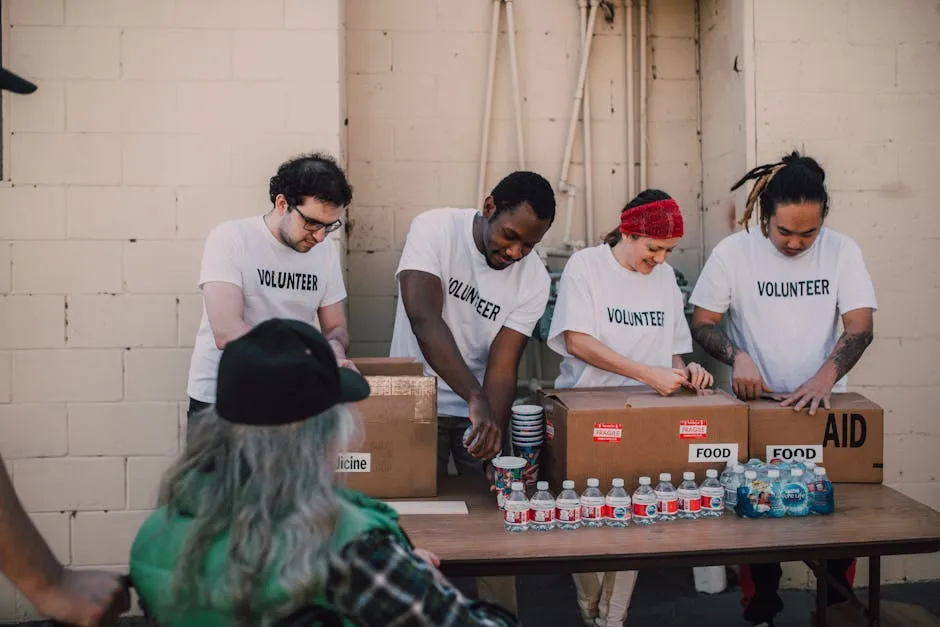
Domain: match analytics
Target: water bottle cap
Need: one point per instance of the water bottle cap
(711, 473)
(567, 484)
(796, 472)
(542, 485)
(688, 476)
(773, 474)
(593, 483)
(517, 486)
(617, 482)
(819, 470)
(739, 467)
(665, 476)
(644, 480)
(750, 474)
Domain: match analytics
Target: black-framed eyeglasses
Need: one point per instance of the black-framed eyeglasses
(315, 225)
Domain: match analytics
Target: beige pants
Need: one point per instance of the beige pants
(500, 591)
(604, 598)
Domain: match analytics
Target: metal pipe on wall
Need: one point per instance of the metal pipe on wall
(588, 152)
(643, 119)
(630, 78)
(488, 103)
(514, 68)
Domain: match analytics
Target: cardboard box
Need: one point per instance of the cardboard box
(630, 432)
(397, 457)
(848, 439)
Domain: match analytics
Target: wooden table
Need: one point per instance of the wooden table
(870, 521)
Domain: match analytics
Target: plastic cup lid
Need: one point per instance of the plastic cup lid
(507, 462)
(527, 410)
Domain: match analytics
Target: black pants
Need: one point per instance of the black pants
(760, 582)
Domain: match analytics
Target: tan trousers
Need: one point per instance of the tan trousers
(604, 598)
(500, 591)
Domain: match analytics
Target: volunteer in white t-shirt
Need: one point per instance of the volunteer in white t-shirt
(277, 265)
(470, 295)
(620, 320)
(785, 288)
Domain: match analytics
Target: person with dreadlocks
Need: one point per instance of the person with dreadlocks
(785, 288)
(253, 526)
(620, 320)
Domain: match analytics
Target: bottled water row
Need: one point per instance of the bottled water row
(758, 490)
(569, 511)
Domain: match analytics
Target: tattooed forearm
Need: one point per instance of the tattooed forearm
(849, 350)
(715, 342)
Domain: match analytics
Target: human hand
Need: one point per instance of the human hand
(429, 557)
(88, 598)
(699, 378)
(746, 382)
(485, 439)
(665, 380)
(814, 392)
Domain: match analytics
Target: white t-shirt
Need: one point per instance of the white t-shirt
(784, 311)
(478, 300)
(638, 316)
(277, 282)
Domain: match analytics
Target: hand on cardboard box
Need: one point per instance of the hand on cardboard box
(815, 392)
(747, 383)
(699, 378)
(666, 380)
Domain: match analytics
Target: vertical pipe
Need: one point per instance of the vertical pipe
(488, 103)
(630, 67)
(514, 67)
(588, 173)
(643, 121)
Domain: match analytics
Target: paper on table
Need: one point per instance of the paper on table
(408, 508)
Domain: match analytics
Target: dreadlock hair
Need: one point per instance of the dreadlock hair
(643, 198)
(794, 179)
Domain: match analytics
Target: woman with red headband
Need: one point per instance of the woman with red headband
(619, 320)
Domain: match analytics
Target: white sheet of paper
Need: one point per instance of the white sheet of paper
(416, 508)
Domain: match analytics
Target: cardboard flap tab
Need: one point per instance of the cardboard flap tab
(637, 396)
(388, 366)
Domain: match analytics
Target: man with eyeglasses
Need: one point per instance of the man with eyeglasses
(279, 265)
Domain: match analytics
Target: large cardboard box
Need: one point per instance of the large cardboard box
(397, 457)
(847, 439)
(630, 432)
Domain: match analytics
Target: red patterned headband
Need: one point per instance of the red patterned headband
(660, 219)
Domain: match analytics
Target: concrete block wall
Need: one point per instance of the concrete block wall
(153, 122)
(416, 81)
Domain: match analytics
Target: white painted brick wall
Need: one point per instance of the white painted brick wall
(154, 121)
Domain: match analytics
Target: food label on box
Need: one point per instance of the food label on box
(693, 429)
(794, 452)
(549, 430)
(354, 462)
(704, 453)
(608, 432)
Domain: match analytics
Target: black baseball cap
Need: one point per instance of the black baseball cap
(11, 82)
(282, 371)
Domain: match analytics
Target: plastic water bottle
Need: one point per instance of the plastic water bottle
(542, 508)
(592, 505)
(735, 480)
(713, 495)
(745, 506)
(777, 508)
(617, 505)
(644, 503)
(794, 495)
(516, 509)
(690, 497)
(822, 498)
(667, 499)
(567, 507)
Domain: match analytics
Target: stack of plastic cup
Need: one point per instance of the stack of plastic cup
(528, 433)
(507, 470)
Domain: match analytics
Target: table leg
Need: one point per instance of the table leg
(821, 593)
(874, 591)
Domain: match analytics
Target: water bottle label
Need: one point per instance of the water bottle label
(644, 510)
(669, 505)
(592, 512)
(713, 498)
(516, 516)
(568, 514)
(690, 505)
(542, 515)
(616, 512)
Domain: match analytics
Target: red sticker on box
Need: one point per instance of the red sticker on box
(549, 430)
(693, 429)
(608, 432)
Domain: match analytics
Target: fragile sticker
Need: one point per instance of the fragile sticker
(693, 429)
(549, 430)
(608, 432)
(354, 462)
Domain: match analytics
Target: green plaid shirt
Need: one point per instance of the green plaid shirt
(378, 581)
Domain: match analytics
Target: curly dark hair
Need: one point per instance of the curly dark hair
(317, 175)
(525, 187)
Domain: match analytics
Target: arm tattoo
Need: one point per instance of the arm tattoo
(715, 342)
(849, 350)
